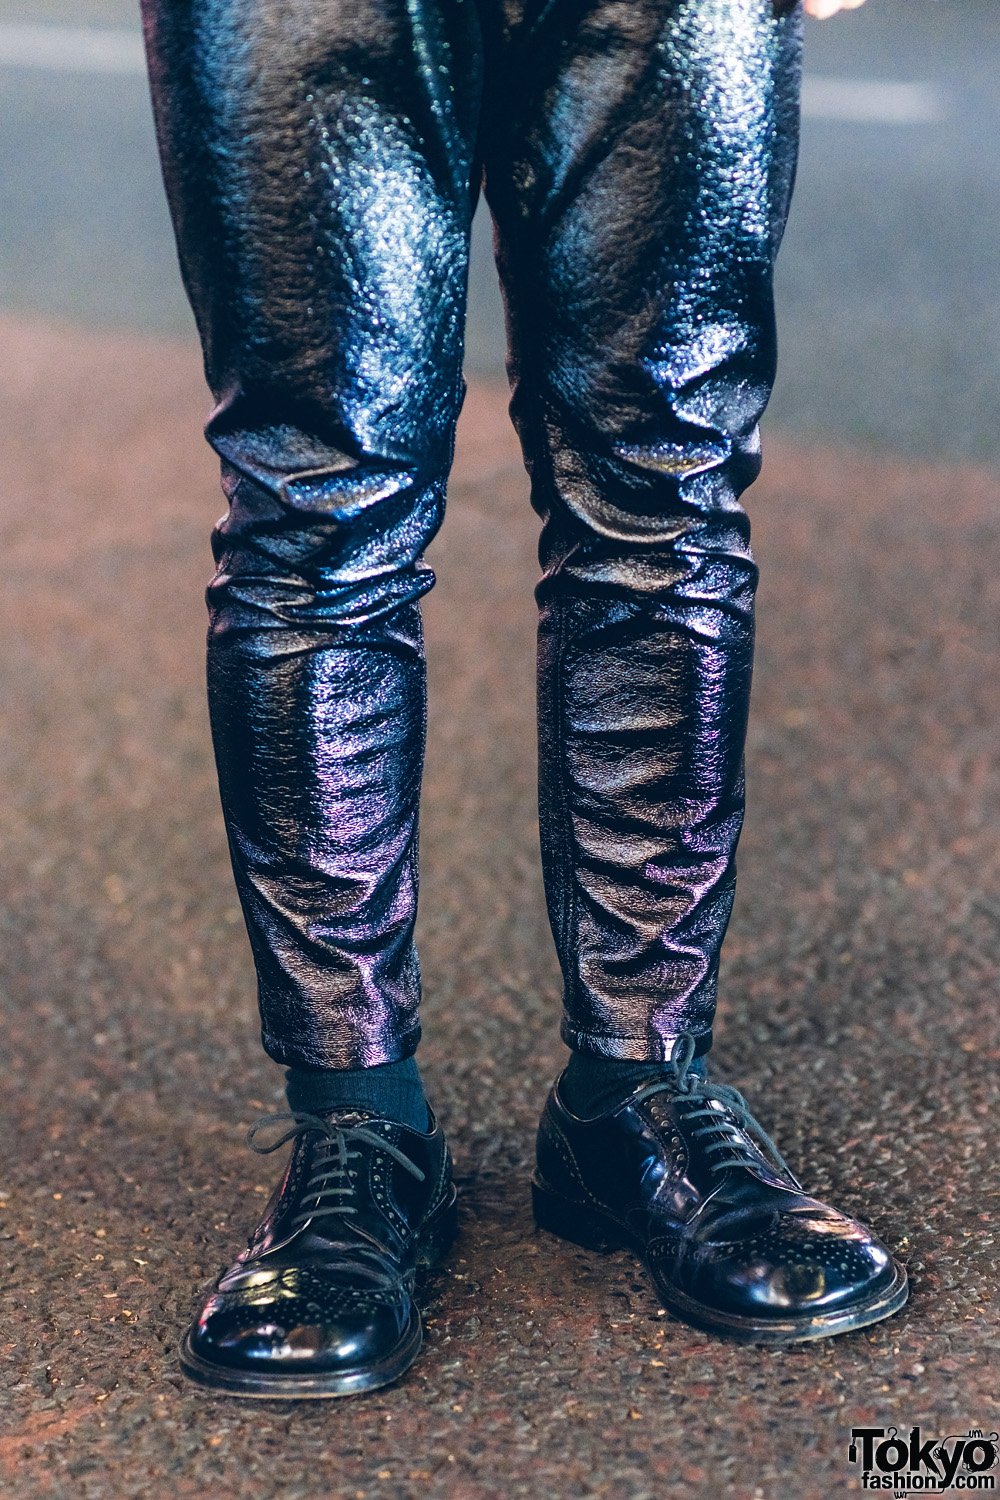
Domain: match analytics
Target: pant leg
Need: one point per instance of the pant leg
(639, 177)
(317, 158)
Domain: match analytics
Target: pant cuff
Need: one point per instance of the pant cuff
(653, 1048)
(342, 1052)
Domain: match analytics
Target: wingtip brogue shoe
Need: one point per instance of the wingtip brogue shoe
(682, 1174)
(321, 1302)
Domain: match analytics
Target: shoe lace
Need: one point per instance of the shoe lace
(729, 1126)
(331, 1182)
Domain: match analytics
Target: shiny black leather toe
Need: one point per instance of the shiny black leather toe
(682, 1173)
(321, 1300)
(302, 1318)
(777, 1264)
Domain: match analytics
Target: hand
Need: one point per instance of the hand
(823, 8)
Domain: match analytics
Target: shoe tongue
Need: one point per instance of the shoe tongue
(346, 1115)
(359, 1117)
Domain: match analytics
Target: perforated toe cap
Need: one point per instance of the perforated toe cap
(300, 1319)
(801, 1262)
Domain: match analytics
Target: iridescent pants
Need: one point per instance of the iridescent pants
(322, 160)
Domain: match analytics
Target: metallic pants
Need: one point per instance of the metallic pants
(322, 160)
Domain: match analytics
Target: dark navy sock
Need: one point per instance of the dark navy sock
(593, 1084)
(393, 1090)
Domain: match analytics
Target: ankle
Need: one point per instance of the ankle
(394, 1090)
(592, 1084)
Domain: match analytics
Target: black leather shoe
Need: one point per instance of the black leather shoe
(681, 1173)
(320, 1303)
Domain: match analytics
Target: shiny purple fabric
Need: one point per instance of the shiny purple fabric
(322, 160)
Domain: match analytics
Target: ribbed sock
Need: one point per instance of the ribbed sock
(593, 1084)
(393, 1090)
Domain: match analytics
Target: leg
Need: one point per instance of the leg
(318, 160)
(318, 169)
(640, 200)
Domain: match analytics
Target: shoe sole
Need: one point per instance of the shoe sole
(594, 1230)
(324, 1385)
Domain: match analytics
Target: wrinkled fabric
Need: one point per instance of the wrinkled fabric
(322, 160)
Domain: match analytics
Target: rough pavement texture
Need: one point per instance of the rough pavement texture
(860, 981)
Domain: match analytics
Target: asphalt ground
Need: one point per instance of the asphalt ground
(858, 1006)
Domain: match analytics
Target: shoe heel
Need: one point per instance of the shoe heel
(572, 1221)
